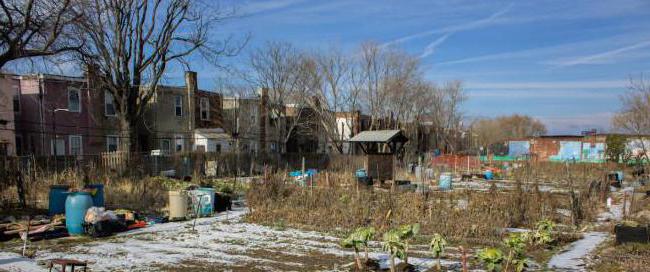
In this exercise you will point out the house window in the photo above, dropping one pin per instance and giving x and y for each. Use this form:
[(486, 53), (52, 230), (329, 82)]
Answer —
[(112, 142), (178, 142), (178, 105), (16, 103), (218, 148), (75, 144), (109, 104), (58, 147), (204, 104), (19, 145), (74, 100), (4, 149), (16, 98), (165, 145)]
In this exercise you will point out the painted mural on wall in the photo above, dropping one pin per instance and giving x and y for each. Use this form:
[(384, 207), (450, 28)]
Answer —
[(518, 148), (593, 152), (569, 150)]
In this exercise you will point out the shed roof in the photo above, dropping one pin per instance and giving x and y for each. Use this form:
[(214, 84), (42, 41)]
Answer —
[(213, 134), (379, 136)]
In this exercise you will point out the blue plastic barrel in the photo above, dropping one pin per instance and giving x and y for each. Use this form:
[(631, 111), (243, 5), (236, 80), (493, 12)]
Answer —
[(56, 204), (361, 173), (445, 181), (97, 193), (488, 174), (206, 199), (76, 205), (619, 175)]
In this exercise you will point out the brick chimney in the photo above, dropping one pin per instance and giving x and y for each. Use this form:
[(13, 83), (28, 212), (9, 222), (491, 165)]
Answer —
[(264, 116)]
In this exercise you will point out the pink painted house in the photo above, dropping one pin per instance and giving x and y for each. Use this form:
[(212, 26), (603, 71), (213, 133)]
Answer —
[(64, 116)]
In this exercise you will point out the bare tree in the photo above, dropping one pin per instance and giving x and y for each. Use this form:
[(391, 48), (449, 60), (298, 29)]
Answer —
[(131, 44), (447, 115), (331, 98), (32, 28), (285, 72), (634, 117), (497, 130)]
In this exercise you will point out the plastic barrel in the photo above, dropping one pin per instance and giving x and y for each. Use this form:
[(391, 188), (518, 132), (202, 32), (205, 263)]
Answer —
[(58, 194), (445, 181), (202, 201), (488, 174), (76, 205), (619, 175), (97, 194), (177, 205), (361, 173), (207, 204)]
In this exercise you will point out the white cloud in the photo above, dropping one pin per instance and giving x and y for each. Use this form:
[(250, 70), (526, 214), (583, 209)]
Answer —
[(576, 123), (249, 8), (432, 46), (603, 57), (602, 84), (447, 31)]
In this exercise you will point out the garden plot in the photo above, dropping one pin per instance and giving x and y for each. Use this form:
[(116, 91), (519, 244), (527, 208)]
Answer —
[(215, 243)]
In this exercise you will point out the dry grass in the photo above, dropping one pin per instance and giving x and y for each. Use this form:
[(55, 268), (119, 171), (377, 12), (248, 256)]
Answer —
[(463, 215), (627, 257)]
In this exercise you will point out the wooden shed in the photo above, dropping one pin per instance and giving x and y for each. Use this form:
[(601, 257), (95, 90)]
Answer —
[(380, 147)]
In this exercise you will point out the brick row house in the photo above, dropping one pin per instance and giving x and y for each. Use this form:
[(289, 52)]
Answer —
[(59, 115), (46, 115)]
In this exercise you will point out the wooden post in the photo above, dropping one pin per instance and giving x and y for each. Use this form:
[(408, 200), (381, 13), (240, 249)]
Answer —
[(624, 205), (327, 179)]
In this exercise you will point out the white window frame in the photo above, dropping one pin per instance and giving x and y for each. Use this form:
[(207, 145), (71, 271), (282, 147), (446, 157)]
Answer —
[(179, 138), (204, 105), (178, 104), (54, 145), (70, 90), (117, 143), (108, 95), (81, 144)]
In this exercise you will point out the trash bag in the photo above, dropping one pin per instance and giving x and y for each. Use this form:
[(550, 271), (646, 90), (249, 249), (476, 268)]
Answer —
[(96, 214), (104, 228)]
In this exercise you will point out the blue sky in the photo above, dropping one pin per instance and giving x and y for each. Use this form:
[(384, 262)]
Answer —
[(564, 62)]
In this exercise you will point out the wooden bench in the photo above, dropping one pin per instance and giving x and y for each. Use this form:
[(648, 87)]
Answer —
[(67, 262)]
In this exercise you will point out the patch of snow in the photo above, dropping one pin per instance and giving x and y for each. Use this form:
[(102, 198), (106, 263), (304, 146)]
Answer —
[(571, 259), (214, 240), (15, 262)]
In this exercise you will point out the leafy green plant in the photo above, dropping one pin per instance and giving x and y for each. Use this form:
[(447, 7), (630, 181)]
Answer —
[(408, 232), (438, 245), (492, 258), (396, 242), (543, 232), (359, 238), (516, 244), (395, 246)]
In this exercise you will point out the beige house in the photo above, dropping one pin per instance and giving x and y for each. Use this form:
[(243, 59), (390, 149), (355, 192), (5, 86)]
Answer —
[(9, 104), (177, 115)]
